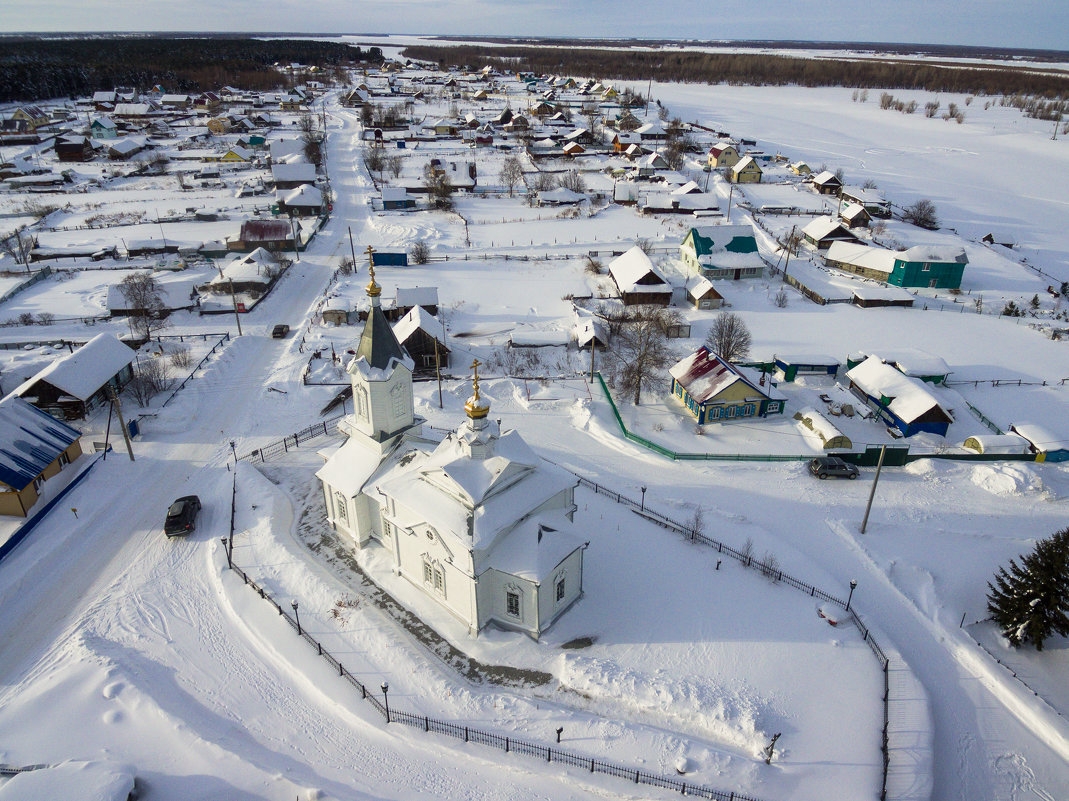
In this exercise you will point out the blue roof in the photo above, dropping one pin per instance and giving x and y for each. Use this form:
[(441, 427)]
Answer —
[(30, 442)]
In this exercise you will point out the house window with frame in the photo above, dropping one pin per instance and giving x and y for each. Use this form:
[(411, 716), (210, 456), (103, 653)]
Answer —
[(748, 411), (773, 406), (927, 268), (38, 482), (560, 590), (64, 460), (512, 603)]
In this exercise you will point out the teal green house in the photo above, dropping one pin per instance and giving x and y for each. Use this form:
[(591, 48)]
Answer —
[(924, 266), (722, 252)]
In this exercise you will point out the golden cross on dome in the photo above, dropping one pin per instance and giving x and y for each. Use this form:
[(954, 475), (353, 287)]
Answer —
[(475, 381), (372, 289)]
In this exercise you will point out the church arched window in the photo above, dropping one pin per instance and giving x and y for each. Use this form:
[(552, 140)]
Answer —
[(341, 507)]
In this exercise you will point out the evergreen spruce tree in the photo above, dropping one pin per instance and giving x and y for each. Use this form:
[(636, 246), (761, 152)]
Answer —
[(1030, 601)]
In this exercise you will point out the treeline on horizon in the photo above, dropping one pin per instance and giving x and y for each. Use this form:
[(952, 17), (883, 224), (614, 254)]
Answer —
[(750, 69), (40, 69)]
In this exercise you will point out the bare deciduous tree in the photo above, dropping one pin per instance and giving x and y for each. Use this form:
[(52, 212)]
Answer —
[(420, 252), (511, 174), (640, 351), (729, 337), (439, 188), (574, 181), (144, 303), (922, 214), (150, 377)]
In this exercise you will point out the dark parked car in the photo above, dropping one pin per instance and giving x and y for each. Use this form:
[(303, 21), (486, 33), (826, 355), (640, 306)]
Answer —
[(280, 331), (824, 466), (182, 516)]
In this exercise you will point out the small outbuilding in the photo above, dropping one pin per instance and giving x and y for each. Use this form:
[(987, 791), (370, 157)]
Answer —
[(828, 433), (788, 368), (1003, 444)]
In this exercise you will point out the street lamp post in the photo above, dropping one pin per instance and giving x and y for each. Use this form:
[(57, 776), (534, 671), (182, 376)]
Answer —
[(296, 615), (853, 586), (234, 450), (386, 699), (642, 508)]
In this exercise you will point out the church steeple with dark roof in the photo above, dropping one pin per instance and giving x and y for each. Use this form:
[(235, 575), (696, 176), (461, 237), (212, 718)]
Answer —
[(381, 375), (378, 345)]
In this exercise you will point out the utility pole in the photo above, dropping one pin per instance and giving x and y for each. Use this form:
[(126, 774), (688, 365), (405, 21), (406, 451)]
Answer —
[(293, 231), (122, 423), (790, 244), (438, 370), (593, 344), (352, 249), (234, 300), (872, 492)]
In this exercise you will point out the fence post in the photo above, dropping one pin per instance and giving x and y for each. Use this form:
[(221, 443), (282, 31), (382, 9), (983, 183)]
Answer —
[(465, 734), (506, 745)]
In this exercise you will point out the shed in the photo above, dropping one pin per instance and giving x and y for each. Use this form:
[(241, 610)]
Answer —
[(395, 198), (828, 432), (702, 294), (1005, 444), (790, 367), (1048, 445)]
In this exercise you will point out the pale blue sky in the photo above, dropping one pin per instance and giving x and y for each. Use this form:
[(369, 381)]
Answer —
[(1024, 23)]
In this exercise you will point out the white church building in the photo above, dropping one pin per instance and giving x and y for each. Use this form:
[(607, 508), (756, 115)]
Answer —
[(476, 520)]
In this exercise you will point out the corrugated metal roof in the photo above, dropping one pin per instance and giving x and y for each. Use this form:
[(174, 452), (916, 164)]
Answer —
[(31, 440)]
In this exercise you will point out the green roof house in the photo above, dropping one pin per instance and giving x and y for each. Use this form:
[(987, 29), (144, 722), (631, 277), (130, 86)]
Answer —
[(932, 266), (722, 251)]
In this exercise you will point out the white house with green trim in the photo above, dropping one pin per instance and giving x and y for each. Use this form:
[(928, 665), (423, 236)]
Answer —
[(722, 252)]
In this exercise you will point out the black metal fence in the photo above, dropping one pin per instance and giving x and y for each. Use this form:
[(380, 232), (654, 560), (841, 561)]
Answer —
[(471, 734), (744, 557), (223, 339), (294, 440), (772, 571)]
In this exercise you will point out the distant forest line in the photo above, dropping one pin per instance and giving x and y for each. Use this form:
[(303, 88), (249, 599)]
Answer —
[(750, 69), (39, 69)]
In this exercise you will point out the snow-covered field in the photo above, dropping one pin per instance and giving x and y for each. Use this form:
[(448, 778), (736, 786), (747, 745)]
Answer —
[(120, 646)]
